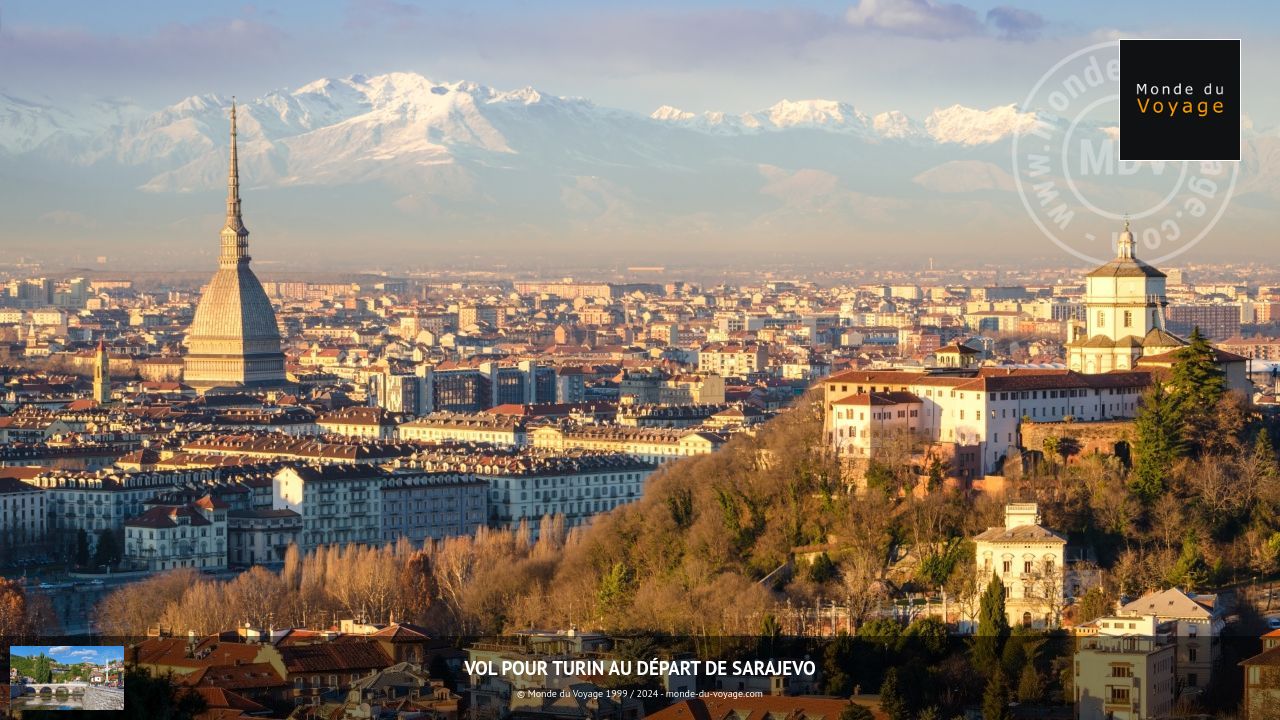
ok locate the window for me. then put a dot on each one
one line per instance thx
(1102, 317)
(1008, 565)
(1119, 694)
(1122, 671)
(1128, 318)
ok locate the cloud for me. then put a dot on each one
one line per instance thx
(59, 649)
(917, 18)
(1013, 23)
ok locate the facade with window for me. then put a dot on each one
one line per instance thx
(1124, 670)
(1197, 622)
(576, 487)
(1262, 680)
(1028, 560)
(973, 415)
(190, 535)
(23, 515)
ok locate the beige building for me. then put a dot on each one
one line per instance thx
(23, 515)
(1197, 622)
(1125, 671)
(1029, 560)
(1262, 680)
(649, 444)
(359, 422)
(1124, 314)
(508, 430)
(192, 535)
(732, 359)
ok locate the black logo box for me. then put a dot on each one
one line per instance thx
(1187, 68)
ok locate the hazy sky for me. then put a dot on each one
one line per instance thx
(910, 55)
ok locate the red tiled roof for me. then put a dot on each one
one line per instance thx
(326, 657)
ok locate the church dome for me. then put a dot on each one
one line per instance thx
(1125, 263)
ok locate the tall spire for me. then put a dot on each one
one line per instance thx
(235, 236)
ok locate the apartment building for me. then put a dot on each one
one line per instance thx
(1126, 670)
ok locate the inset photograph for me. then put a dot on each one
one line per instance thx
(65, 677)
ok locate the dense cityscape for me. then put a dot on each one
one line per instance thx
(699, 360)
(301, 498)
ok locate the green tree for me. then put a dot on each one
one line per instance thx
(1095, 603)
(614, 590)
(995, 699)
(854, 711)
(927, 635)
(1190, 571)
(1198, 384)
(1051, 448)
(82, 548)
(822, 570)
(108, 551)
(157, 698)
(1195, 376)
(1030, 687)
(1159, 428)
(836, 658)
(993, 626)
(42, 671)
(893, 699)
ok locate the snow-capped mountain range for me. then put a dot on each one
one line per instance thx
(440, 160)
(356, 128)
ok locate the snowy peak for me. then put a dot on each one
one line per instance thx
(824, 114)
(895, 125)
(969, 126)
(954, 125)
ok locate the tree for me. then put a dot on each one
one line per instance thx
(108, 551)
(1030, 687)
(1159, 428)
(42, 671)
(1095, 603)
(893, 700)
(1051, 448)
(82, 548)
(1198, 384)
(13, 608)
(995, 699)
(822, 569)
(854, 711)
(157, 698)
(1190, 571)
(993, 625)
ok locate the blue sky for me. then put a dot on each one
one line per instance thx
(71, 654)
(910, 55)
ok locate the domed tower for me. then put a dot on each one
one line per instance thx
(234, 340)
(1124, 314)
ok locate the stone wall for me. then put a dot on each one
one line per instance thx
(103, 698)
(1111, 437)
